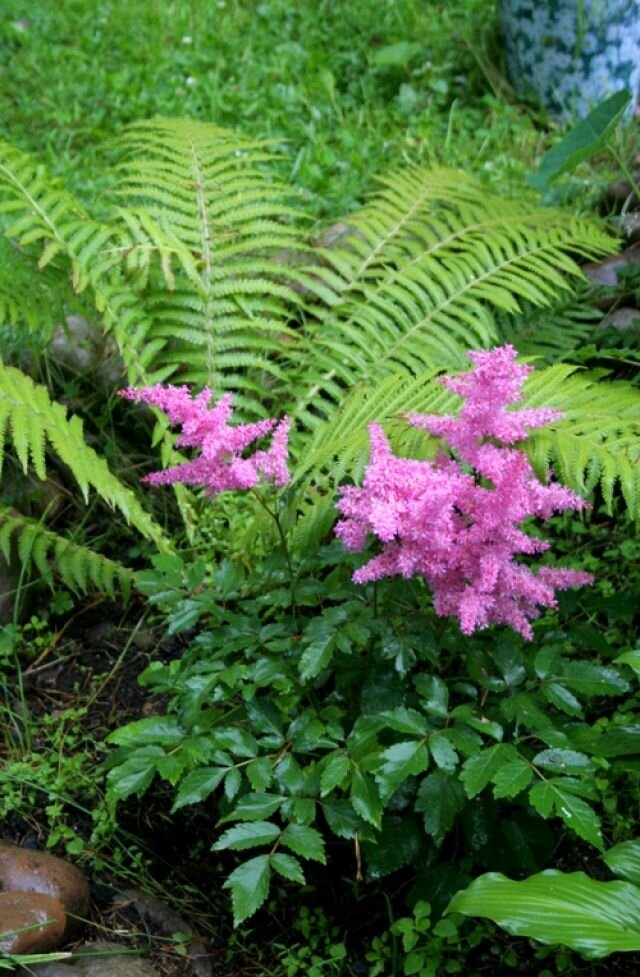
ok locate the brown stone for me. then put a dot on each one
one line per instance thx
(22, 870)
(30, 922)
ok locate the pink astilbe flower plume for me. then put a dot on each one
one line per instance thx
(220, 467)
(459, 527)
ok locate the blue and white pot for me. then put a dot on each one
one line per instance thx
(572, 54)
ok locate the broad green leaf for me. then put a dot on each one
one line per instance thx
(480, 769)
(365, 797)
(400, 761)
(305, 841)
(582, 141)
(559, 696)
(407, 721)
(594, 918)
(249, 885)
(165, 730)
(342, 818)
(588, 679)
(440, 799)
(512, 778)
(288, 867)
(260, 773)
(250, 834)
(624, 860)
(197, 786)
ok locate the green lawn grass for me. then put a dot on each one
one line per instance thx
(346, 88)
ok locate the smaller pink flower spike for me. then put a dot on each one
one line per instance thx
(221, 466)
(459, 529)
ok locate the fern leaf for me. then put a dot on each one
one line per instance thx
(35, 421)
(79, 567)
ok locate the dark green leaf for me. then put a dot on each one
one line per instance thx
(250, 834)
(402, 760)
(255, 807)
(398, 844)
(334, 772)
(480, 769)
(197, 785)
(365, 797)
(512, 778)
(440, 799)
(288, 867)
(443, 752)
(305, 841)
(249, 885)
(136, 773)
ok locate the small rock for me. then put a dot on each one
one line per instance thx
(163, 920)
(618, 192)
(36, 871)
(629, 225)
(99, 959)
(607, 272)
(42, 914)
(622, 319)
(81, 347)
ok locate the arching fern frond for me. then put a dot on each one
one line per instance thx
(199, 207)
(597, 442)
(429, 263)
(79, 567)
(32, 420)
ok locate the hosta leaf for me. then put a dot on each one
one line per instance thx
(594, 918)
(249, 885)
(624, 860)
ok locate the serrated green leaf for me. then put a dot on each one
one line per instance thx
(315, 657)
(136, 773)
(288, 867)
(365, 797)
(304, 841)
(249, 834)
(479, 770)
(594, 918)
(398, 844)
(334, 773)
(433, 693)
(550, 795)
(631, 658)
(512, 778)
(559, 696)
(402, 760)
(443, 752)
(249, 885)
(254, 807)
(197, 786)
(440, 799)
(563, 761)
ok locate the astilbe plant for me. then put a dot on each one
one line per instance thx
(221, 466)
(457, 521)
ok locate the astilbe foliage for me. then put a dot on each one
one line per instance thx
(220, 466)
(456, 521)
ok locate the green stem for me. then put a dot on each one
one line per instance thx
(625, 169)
(283, 540)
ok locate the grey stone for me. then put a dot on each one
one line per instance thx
(99, 959)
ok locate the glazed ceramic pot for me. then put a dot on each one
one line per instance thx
(571, 54)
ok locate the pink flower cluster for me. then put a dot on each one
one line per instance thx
(220, 465)
(456, 521)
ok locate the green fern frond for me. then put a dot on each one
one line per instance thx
(199, 203)
(32, 420)
(556, 332)
(35, 301)
(429, 264)
(597, 442)
(79, 567)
